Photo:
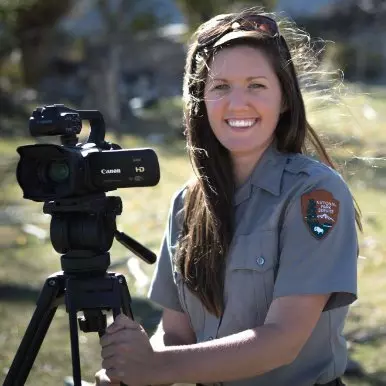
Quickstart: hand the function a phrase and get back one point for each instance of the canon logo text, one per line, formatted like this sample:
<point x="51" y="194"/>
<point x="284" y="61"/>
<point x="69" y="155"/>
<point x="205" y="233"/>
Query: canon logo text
<point x="111" y="171"/>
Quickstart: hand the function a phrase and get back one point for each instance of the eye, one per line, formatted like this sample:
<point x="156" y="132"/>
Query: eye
<point x="222" y="86"/>
<point x="256" y="85"/>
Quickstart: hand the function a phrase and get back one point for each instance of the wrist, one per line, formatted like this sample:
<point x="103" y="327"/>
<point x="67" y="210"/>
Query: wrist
<point x="163" y="366"/>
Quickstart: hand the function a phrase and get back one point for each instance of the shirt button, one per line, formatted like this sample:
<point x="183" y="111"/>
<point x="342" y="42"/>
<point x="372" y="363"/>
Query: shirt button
<point x="260" y="260"/>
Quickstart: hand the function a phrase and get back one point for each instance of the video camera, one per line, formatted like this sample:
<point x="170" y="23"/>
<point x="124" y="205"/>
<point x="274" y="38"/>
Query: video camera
<point x="50" y="172"/>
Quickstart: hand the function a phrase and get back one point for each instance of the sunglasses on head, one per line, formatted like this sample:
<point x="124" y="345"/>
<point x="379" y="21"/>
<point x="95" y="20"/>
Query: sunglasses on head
<point x="259" y="23"/>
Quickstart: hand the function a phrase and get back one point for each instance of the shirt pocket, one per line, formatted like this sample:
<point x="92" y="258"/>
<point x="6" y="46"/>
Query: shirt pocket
<point x="190" y="304"/>
<point x="250" y="277"/>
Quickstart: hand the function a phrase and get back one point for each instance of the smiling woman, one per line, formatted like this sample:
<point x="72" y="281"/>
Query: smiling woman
<point x="258" y="264"/>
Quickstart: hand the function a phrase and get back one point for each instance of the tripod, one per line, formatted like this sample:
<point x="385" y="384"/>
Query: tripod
<point x="83" y="229"/>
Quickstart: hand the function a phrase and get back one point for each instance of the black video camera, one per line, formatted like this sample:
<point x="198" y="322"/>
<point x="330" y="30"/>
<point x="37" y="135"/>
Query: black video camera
<point x="49" y="172"/>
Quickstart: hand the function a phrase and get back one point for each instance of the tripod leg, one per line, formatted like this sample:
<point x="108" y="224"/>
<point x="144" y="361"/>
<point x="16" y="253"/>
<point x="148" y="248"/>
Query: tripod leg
<point x="76" y="372"/>
<point x="125" y="301"/>
<point x="41" y="319"/>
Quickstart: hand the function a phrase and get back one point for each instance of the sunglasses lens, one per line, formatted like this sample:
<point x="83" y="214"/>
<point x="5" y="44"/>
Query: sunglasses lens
<point x="253" y="23"/>
<point x="261" y="23"/>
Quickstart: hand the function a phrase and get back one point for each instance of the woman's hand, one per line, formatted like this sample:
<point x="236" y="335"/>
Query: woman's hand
<point x="127" y="353"/>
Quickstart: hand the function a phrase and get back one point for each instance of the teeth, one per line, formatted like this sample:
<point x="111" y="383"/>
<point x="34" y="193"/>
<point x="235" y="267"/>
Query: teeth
<point x="241" y="122"/>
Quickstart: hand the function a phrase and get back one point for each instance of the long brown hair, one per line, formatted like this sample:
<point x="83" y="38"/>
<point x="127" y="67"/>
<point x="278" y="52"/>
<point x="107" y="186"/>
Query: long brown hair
<point x="208" y="211"/>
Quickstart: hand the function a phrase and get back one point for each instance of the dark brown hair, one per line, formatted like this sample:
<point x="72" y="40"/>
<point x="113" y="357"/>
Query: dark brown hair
<point x="208" y="212"/>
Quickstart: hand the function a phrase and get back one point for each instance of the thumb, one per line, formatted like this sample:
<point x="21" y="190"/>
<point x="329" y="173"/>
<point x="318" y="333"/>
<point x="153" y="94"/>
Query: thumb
<point x="101" y="379"/>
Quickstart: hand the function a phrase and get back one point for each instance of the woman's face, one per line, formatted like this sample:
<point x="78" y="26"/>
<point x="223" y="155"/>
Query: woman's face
<point x="243" y="100"/>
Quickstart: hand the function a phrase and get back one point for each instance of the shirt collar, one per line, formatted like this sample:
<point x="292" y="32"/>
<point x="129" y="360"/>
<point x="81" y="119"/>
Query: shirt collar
<point x="267" y="175"/>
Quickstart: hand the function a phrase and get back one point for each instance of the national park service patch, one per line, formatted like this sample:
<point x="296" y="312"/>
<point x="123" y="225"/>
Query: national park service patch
<point x="320" y="212"/>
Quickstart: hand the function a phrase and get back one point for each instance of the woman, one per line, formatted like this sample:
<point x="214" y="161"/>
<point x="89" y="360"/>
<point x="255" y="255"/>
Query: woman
<point x="258" y="264"/>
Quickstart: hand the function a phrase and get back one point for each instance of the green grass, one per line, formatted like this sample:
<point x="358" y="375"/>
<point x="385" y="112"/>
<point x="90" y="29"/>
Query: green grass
<point x="27" y="262"/>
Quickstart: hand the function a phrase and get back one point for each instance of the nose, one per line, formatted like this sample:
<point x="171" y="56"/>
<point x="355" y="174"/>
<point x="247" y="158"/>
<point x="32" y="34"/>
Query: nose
<point x="238" y="100"/>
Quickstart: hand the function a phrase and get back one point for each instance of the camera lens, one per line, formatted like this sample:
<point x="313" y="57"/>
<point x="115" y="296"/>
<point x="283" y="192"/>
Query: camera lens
<point x="58" y="171"/>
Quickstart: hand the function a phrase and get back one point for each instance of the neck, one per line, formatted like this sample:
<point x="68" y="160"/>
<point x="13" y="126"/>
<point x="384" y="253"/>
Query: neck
<point x="244" y="164"/>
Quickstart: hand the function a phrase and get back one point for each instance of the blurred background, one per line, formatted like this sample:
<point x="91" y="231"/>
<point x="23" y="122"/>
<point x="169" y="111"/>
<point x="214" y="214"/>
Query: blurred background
<point x="125" y="58"/>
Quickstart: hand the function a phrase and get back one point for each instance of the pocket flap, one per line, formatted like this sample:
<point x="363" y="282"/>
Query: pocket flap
<point x="255" y="251"/>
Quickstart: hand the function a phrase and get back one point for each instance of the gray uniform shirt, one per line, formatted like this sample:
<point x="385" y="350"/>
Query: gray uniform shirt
<point x="295" y="234"/>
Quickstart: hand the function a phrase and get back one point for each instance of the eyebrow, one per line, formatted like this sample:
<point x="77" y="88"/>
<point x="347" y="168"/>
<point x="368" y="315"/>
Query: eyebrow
<point x="248" y="79"/>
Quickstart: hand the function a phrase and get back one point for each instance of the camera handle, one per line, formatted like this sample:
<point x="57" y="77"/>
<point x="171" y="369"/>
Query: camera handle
<point x="84" y="285"/>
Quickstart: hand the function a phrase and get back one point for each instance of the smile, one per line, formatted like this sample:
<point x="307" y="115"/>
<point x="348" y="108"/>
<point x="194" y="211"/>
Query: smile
<point x="241" y="123"/>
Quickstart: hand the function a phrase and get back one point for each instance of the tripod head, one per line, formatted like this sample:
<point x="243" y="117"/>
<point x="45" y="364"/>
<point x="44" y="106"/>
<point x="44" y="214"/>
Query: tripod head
<point x="83" y="230"/>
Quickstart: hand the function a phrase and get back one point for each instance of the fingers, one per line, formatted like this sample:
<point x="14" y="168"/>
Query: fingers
<point x="114" y="375"/>
<point x="108" y="351"/>
<point x="120" y="339"/>
<point x="118" y="343"/>
<point x="120" y="322"/>
<point x="114" y="331"/>
<point x="109" y="363"/>
<point x="109" y="339"/>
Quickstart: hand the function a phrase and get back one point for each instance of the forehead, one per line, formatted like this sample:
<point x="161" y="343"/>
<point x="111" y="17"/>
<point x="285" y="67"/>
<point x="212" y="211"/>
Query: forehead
<point x="240" y="61"/>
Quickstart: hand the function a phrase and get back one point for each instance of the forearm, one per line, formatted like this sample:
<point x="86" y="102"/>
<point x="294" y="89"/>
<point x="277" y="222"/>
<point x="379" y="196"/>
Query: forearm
<point x="160" y="340"/>
<point x="243" y="355"/>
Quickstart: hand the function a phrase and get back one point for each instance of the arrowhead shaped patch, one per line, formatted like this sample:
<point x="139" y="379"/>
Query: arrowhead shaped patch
<point x="320" y="212"/>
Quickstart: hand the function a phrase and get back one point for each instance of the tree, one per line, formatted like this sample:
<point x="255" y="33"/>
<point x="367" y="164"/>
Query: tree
<point x="28" y="25"/>
<point x="311" y="211"/>
<point x="198" y="11"/>
<point x="357" y="27"/>
<point x="121" y="21"/>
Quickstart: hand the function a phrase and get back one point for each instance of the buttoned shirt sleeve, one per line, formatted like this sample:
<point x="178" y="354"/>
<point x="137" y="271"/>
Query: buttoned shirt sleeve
<point x="163" y="289"/>
<point x="312" y="264"/>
